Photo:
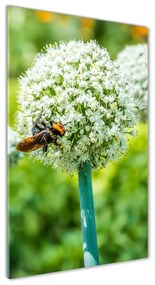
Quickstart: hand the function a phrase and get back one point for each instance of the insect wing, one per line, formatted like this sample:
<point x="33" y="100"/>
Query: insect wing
<point x="31" y="143"/>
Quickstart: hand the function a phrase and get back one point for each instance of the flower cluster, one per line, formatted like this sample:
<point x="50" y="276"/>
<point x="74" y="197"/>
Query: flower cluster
<point x="13" y="155"/>
<point x="134" y="60"/>
<point x="77" y="84"/>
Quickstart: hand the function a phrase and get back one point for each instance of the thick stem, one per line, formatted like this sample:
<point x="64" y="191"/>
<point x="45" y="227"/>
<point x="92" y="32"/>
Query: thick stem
<point x="87" y="215"/>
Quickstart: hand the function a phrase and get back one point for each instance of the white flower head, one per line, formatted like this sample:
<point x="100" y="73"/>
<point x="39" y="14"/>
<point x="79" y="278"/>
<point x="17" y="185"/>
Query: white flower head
<point x="77" y="84"/>
<point x="133" y="59"/>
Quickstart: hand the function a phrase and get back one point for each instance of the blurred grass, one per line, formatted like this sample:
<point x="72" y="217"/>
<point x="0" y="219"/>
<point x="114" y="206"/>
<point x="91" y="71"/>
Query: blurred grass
<point x="44" y="213"/>
<point x="12" y="98"/>
<point x="30" y="30"/>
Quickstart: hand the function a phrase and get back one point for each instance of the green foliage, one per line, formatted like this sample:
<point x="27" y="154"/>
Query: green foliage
<point x="44" y="220"/>
<point x="122" y="205"/>
<point x="12" y="105"/>
<point x="28" y="34"/>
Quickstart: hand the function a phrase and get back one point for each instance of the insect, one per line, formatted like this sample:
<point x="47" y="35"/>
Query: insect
<point x="42" y="135"/>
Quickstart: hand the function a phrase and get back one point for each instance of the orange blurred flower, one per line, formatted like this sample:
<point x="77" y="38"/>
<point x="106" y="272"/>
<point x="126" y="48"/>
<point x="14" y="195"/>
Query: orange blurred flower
<point x="139" y="31"/>
<point x="87" y="26"/>
<point x="87" y="23"/>
<point x="44" y="16"/>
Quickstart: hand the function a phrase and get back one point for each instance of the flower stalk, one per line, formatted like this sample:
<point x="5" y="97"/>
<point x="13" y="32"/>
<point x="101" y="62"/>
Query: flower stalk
<point x="87" y="215"/>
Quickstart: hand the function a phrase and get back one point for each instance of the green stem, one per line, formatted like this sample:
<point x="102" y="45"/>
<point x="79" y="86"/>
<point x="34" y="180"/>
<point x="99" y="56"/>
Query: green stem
<point x="87" y="215"/>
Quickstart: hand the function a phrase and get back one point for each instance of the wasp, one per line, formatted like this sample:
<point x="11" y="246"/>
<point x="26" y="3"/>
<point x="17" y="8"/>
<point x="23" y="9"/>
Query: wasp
<point x="42" y="136"/>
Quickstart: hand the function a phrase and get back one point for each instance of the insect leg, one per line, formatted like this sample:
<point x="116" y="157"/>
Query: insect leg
<point x="36" y="125"/>
<point x="44" y="124"/>
<point x="55" y="141"/>
<point x="36" y="129"/>
<point x="45" y="148"/>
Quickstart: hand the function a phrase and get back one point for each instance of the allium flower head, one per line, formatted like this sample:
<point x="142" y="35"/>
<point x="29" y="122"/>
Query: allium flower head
<point x="134" y="60"/>
<point x="77" y="83"/>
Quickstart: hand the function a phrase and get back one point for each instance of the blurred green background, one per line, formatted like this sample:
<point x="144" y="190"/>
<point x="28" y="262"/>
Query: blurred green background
<point x="44" y="230"/>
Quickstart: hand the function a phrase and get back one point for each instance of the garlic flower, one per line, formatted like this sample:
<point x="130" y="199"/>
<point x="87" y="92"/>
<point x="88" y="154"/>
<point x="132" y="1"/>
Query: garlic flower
<point x="133" y="60"/>
<point x="77" y="84"/>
